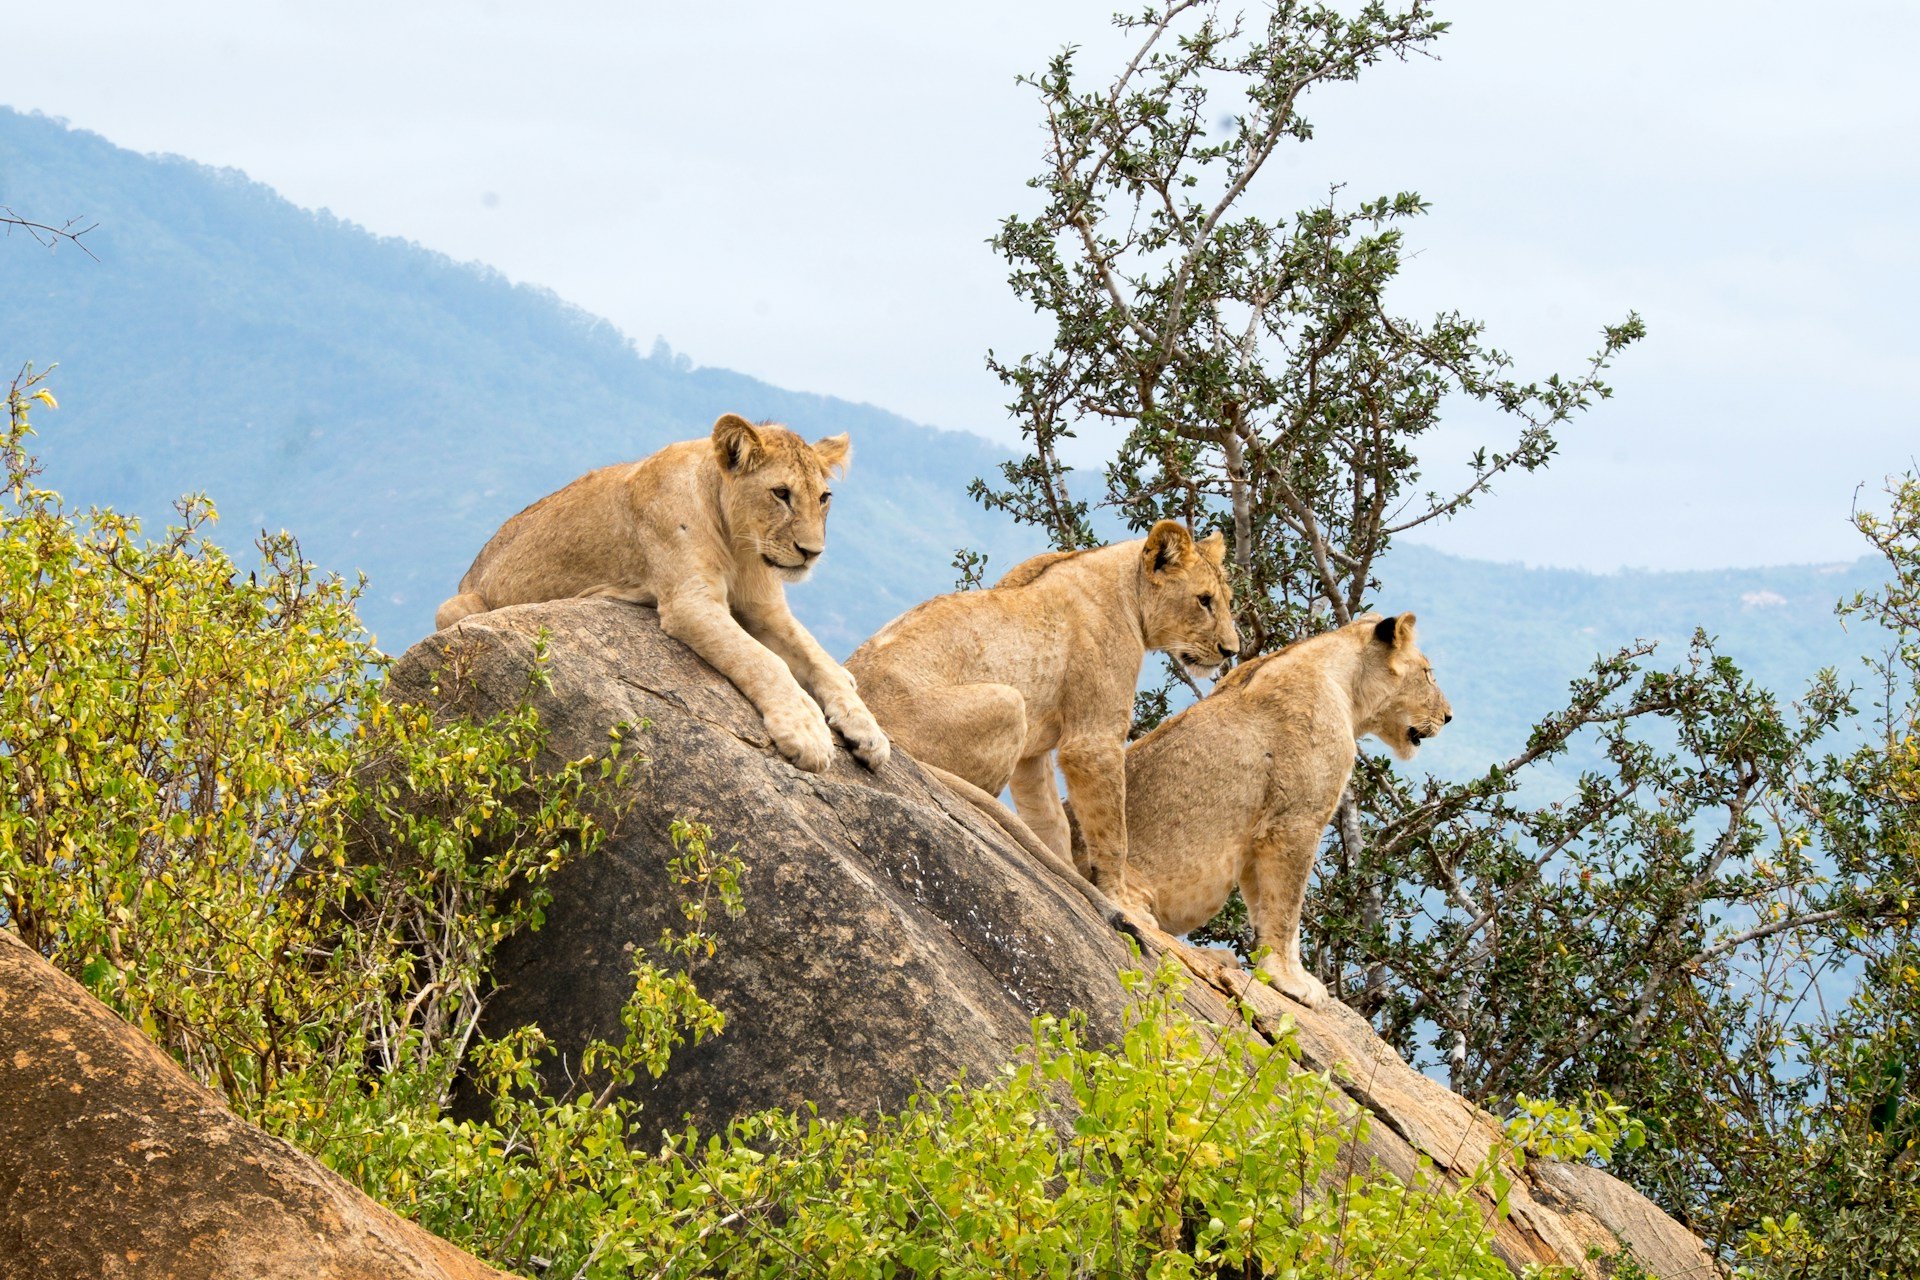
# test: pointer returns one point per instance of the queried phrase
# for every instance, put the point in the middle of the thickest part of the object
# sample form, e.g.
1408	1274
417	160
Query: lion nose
1229	650
808	553
1449	719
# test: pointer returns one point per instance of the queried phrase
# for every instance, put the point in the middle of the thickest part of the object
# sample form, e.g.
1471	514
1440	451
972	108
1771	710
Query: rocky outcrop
115	1163
891	934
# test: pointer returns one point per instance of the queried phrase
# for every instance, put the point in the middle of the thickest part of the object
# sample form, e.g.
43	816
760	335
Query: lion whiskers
766	548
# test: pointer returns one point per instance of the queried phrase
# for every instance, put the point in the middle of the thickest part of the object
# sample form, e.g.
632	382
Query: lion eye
825	494
1206	601
784	494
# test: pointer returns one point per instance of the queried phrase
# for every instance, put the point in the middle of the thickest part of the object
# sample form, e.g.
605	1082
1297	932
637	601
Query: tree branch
47	235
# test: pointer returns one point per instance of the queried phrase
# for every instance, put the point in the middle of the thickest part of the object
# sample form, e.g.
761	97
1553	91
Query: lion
707	530
990	685
1236	789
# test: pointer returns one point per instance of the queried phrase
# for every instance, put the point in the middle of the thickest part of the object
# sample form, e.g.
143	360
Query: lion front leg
1097	785
705	626
1037	796
773	624
1274	884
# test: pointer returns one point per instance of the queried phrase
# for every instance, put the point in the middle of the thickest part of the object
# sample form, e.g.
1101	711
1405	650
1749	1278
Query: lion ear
1396	631
737	443
1214	548
1168	544
833	452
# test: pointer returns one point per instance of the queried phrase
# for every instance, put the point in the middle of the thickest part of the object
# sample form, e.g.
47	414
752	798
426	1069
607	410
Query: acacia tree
1650	934
1257	372
1253	363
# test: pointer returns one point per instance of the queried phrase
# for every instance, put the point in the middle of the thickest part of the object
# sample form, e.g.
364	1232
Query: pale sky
803	193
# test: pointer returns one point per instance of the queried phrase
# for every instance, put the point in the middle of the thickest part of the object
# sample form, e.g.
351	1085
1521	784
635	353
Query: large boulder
892	935
115	1163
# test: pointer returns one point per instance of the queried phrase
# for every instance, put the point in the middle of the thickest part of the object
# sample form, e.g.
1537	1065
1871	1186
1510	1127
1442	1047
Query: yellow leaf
46	397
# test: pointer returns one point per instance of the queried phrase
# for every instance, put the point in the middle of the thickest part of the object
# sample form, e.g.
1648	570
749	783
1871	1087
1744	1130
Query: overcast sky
803	193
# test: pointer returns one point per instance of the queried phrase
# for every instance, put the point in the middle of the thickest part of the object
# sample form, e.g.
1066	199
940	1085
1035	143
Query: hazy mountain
388	405
391	407
1506	640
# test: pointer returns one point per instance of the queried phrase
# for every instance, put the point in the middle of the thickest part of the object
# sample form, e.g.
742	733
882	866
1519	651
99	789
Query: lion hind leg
973	730
464	605
1274	884
1037	795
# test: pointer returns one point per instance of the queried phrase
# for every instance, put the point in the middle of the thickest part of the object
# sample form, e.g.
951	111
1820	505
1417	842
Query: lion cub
985	684
708	530
1237	788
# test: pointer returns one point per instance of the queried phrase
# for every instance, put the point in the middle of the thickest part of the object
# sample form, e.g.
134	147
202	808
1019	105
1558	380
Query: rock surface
892	935
115	1163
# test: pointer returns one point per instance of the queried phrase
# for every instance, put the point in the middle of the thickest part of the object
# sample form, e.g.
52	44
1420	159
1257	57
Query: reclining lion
708	530
1236	789
987	685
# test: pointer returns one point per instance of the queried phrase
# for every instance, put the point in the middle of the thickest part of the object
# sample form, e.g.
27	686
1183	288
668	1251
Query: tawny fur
709	531
1237	789
989	685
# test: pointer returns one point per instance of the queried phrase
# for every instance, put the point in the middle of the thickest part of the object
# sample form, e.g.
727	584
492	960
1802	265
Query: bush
214	819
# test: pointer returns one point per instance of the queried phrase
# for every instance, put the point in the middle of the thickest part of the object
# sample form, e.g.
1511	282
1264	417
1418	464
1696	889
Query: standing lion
708	530
1237	789
990	685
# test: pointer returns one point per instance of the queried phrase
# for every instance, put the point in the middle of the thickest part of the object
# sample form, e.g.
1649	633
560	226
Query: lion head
1397	684
773	489
1186	608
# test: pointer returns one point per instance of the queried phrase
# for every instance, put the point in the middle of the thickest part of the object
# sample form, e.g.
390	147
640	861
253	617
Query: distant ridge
391	406
387	404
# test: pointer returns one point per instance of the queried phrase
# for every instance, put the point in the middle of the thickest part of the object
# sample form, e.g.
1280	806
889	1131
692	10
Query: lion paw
851	719
1294	981
1220	967
803	737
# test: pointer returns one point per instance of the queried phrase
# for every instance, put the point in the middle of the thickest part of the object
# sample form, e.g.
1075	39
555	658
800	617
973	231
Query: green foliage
1172	1154
1829	1181
215	819
1566	932
1838	1194
1176	1153
541	1181
972	568
1179	1152
1590	1130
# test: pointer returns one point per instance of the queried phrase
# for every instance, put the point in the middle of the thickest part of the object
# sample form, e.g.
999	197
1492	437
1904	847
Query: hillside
1507	639
391	407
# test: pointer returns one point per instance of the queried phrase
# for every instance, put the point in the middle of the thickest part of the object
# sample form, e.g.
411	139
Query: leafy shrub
212	816
1182	1151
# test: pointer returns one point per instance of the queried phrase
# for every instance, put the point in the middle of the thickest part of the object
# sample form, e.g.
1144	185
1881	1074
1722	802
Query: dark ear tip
1383	630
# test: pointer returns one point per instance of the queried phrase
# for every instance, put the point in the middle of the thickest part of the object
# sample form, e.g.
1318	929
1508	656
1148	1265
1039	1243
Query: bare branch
46	234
